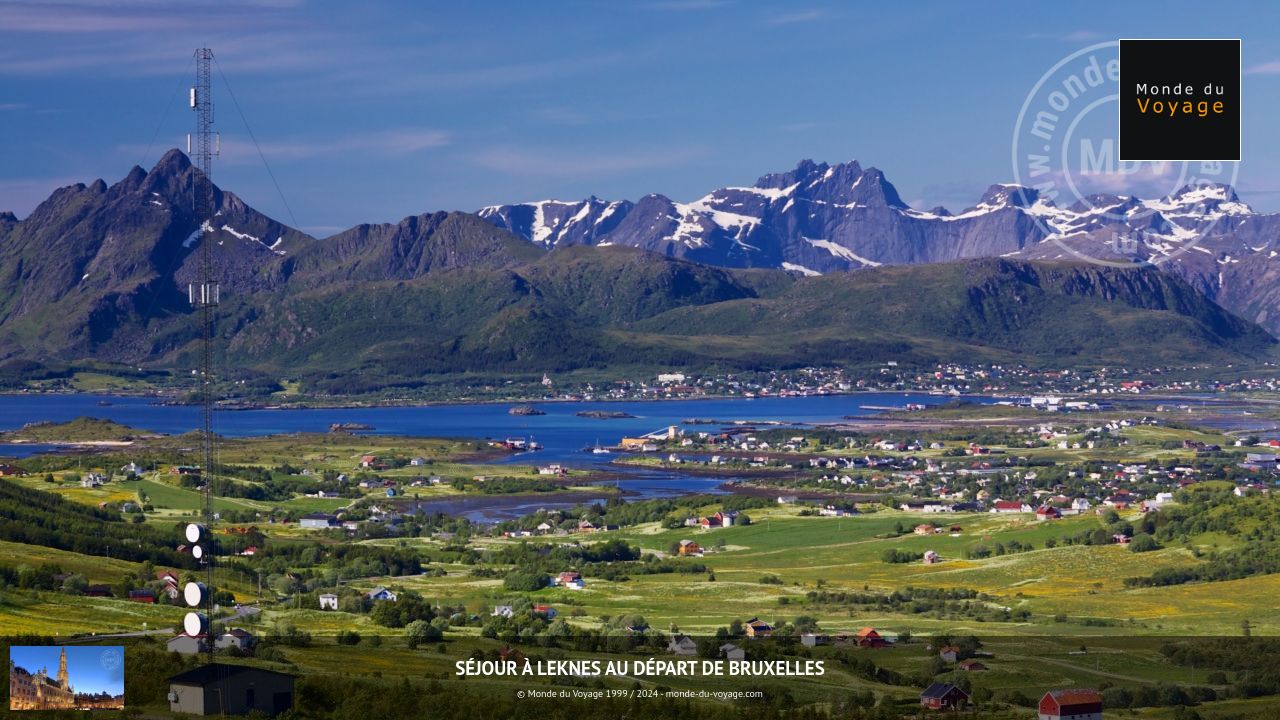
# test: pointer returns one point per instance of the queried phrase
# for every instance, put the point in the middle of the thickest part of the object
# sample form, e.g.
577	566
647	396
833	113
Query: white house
505	611
682	645
729	651
185	644
329	601
235	638
381	593
317	521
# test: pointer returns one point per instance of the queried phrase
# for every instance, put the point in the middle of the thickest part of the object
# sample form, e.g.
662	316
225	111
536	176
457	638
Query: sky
87	670
370	112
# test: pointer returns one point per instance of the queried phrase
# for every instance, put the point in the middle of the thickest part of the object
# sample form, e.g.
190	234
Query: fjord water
565	436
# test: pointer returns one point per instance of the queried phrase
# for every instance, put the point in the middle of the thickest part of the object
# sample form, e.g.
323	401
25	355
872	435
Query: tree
420	631
75	584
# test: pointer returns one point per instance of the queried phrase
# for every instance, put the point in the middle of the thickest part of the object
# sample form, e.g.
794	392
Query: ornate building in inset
38	691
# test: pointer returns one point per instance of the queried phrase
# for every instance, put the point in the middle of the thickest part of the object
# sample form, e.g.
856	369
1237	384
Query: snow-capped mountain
820	218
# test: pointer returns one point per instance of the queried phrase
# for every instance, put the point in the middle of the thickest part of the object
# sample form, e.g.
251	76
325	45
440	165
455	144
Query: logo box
1180	100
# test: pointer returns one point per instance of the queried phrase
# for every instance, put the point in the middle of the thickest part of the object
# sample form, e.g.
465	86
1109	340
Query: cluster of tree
35	517
900	556
1000	548
1252	521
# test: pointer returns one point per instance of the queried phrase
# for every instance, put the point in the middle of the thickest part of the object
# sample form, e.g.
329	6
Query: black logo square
1179	100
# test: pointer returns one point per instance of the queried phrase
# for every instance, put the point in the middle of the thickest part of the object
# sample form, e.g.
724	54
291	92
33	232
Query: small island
604	414
525	410
348	427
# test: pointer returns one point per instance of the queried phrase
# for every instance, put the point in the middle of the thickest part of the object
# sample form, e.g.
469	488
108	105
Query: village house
689	547
218	689
505	611
1010	506
317	521
235	638
328	601
949	653
570	580
931	558
757	628
545	611
682	645
869	637
943	696
185	644
729	651
1048	512
972	666
1071	704
381	593
813	639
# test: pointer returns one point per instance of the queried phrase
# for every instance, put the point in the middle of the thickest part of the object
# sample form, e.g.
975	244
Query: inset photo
52	677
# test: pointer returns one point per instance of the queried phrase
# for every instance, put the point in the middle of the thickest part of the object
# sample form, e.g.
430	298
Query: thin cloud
686	5
1072	36
235	151
550	164
1266	68
802	16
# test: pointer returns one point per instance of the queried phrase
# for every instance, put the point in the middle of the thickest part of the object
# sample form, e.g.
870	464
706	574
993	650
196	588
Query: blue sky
368	112
86	669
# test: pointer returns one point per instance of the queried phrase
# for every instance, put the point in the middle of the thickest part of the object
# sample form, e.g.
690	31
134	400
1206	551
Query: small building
142	596
757	628
235	638
219	689
949	653
185	644
1071	704
729	651
868	637
943	696
505	611
381	593
689	547
1048	512
931	558
682	645
319	521
972	666
328	601
570	580
813	639
545	611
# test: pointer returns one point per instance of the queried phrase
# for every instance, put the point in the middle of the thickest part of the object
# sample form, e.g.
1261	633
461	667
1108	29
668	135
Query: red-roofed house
868	637
1010	506
1071	704
1048	512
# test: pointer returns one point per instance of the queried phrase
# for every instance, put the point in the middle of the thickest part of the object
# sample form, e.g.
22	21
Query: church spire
63	681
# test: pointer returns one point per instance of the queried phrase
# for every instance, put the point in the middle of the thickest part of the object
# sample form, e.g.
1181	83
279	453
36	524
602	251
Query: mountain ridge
100	271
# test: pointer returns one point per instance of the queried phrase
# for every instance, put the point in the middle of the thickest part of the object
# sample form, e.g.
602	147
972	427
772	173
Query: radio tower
204	295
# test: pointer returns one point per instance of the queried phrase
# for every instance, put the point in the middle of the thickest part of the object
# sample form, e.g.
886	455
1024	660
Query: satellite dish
197	552
194	594
193	532
194	624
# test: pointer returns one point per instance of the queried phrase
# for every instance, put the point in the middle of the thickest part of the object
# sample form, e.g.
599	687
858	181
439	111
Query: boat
599	449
